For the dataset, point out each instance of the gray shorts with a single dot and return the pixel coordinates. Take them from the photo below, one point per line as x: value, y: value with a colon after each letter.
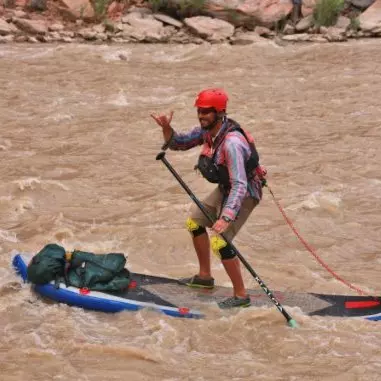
x: 213, y: 203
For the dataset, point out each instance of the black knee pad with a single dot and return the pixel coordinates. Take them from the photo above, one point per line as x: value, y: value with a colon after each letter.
x: 221, y: 248
x: 227, y: 252
x: 194, y: 228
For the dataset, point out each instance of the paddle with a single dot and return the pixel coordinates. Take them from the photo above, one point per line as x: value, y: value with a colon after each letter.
x: 291, y: 322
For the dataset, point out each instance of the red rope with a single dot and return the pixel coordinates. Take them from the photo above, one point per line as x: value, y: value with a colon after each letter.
x: 310, y: 249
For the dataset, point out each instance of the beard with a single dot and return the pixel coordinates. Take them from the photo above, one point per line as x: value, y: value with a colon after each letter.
x: 207, y: 127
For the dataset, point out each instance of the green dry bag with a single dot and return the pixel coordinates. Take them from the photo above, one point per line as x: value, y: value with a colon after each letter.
x: 47, y: 265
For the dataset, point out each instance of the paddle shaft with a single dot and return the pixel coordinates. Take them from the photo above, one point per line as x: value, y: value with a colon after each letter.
x: 161, y: 156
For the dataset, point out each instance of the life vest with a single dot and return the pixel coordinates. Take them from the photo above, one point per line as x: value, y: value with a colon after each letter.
x: 218, y: 173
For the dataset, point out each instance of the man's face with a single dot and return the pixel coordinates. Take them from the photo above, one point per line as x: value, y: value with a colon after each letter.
x: 206, y: 116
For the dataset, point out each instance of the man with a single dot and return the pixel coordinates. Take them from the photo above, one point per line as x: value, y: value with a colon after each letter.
x: 229, y: 159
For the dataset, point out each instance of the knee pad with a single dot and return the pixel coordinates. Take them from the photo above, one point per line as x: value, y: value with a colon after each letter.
x: 194, y: 228
x: 221, y: 248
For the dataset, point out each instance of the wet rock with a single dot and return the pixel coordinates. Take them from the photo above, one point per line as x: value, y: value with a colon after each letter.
x: 362, y: 4
x: 343, y: 22
x: 317, y: 38
x: 334, y: 34
x: 247, y: 38
x: 54, y: 36
x: 102, y: 36
x: 117, y: 40
x: 118, y: 27
x: 168, y: 20
x: 56, y: 27
x: 21, y: 38
x: 20, y: 14
x: 266, y: 12
x: 32, y: 39
x: 7, y: 38
x: 212, y: 30
x: 7, y: 28
x: 142, y: 21
x: 141, y: 27
x: 87, y: 34
x: 288, y: 29
x: 77, y: 9
x: 99, y: 28
x: 31, y: 26
x: 67, y: 39
x: 304, y: 24
x: 67, y: 33
x: 142, y: 10
x: 247, y: 13
x: 183, y: 37
x: 308, y: 7
x: 370, y: 20
x: 301, y: 37
x: 263, y: 31
x: 43, y: 38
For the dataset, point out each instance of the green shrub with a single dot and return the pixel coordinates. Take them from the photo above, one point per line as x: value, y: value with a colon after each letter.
x: 326, y: 12
x: 179, y: 8
x: 109, y: 25
x: 355, y: 24
x: 100, y: 8
x: 157, y: 5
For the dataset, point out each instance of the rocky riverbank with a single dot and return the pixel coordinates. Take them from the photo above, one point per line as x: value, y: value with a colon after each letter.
x: 284, y: 21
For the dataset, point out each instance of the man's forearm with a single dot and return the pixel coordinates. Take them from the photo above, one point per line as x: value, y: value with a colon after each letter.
x: 167, y: 134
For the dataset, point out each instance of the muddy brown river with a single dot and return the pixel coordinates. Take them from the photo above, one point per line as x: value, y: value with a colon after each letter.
x: 78, y: 150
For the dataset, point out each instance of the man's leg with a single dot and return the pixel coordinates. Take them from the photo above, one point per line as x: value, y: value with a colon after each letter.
x: 233, y: 269
x: 229, y: 258
x: 202, y: 247
x: 197, y: 224
x: 230, y: 262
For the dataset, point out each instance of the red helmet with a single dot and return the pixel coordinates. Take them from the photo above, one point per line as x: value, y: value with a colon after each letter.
x: 216, y: 98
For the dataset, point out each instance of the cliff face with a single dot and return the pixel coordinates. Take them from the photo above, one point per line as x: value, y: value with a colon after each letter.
x: 235, y: 22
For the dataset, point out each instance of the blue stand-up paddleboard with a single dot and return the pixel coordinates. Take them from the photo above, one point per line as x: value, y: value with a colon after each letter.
x: 135, y: 298
x: 174, y: 299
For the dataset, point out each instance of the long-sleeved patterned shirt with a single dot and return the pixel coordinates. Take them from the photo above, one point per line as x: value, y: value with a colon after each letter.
x: 233, y: 152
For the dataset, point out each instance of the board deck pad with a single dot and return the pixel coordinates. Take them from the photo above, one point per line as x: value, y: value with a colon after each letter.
x: 176, y: 299
x: 176, y: 294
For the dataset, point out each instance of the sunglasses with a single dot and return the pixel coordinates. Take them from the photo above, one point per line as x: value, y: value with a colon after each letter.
x: 204, y: 111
